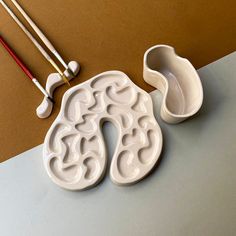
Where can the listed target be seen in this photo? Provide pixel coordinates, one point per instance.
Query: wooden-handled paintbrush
(40, 34)
(35, 42)
(24, 68)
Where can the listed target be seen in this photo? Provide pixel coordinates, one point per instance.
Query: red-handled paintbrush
(24, 68)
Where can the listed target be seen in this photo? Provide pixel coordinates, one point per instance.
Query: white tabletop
(191, 192)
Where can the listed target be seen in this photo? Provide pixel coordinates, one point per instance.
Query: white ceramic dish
(177, 80)
(74, 152)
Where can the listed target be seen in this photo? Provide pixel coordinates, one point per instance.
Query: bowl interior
(184, 86)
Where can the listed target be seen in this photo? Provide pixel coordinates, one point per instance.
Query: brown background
(102, 35)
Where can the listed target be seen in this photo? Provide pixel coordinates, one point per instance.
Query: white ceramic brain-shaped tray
(75, 155)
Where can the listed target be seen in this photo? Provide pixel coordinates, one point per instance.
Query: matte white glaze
(54, 80)
(177, 80)
(74, 153)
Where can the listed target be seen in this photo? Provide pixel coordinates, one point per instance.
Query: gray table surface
(191, 192)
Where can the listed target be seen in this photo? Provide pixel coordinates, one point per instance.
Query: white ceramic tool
(177, 80)
(55, 80)
(74, 152)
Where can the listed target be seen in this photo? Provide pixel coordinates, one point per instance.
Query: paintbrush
(24, 68)
(40, 34)
(31, 37)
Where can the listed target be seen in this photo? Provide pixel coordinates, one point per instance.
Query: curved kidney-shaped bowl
(177, 80)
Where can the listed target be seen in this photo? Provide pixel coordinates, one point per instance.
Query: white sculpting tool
(31, 37)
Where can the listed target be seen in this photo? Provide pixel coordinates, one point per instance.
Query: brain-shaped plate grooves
(74, 152)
